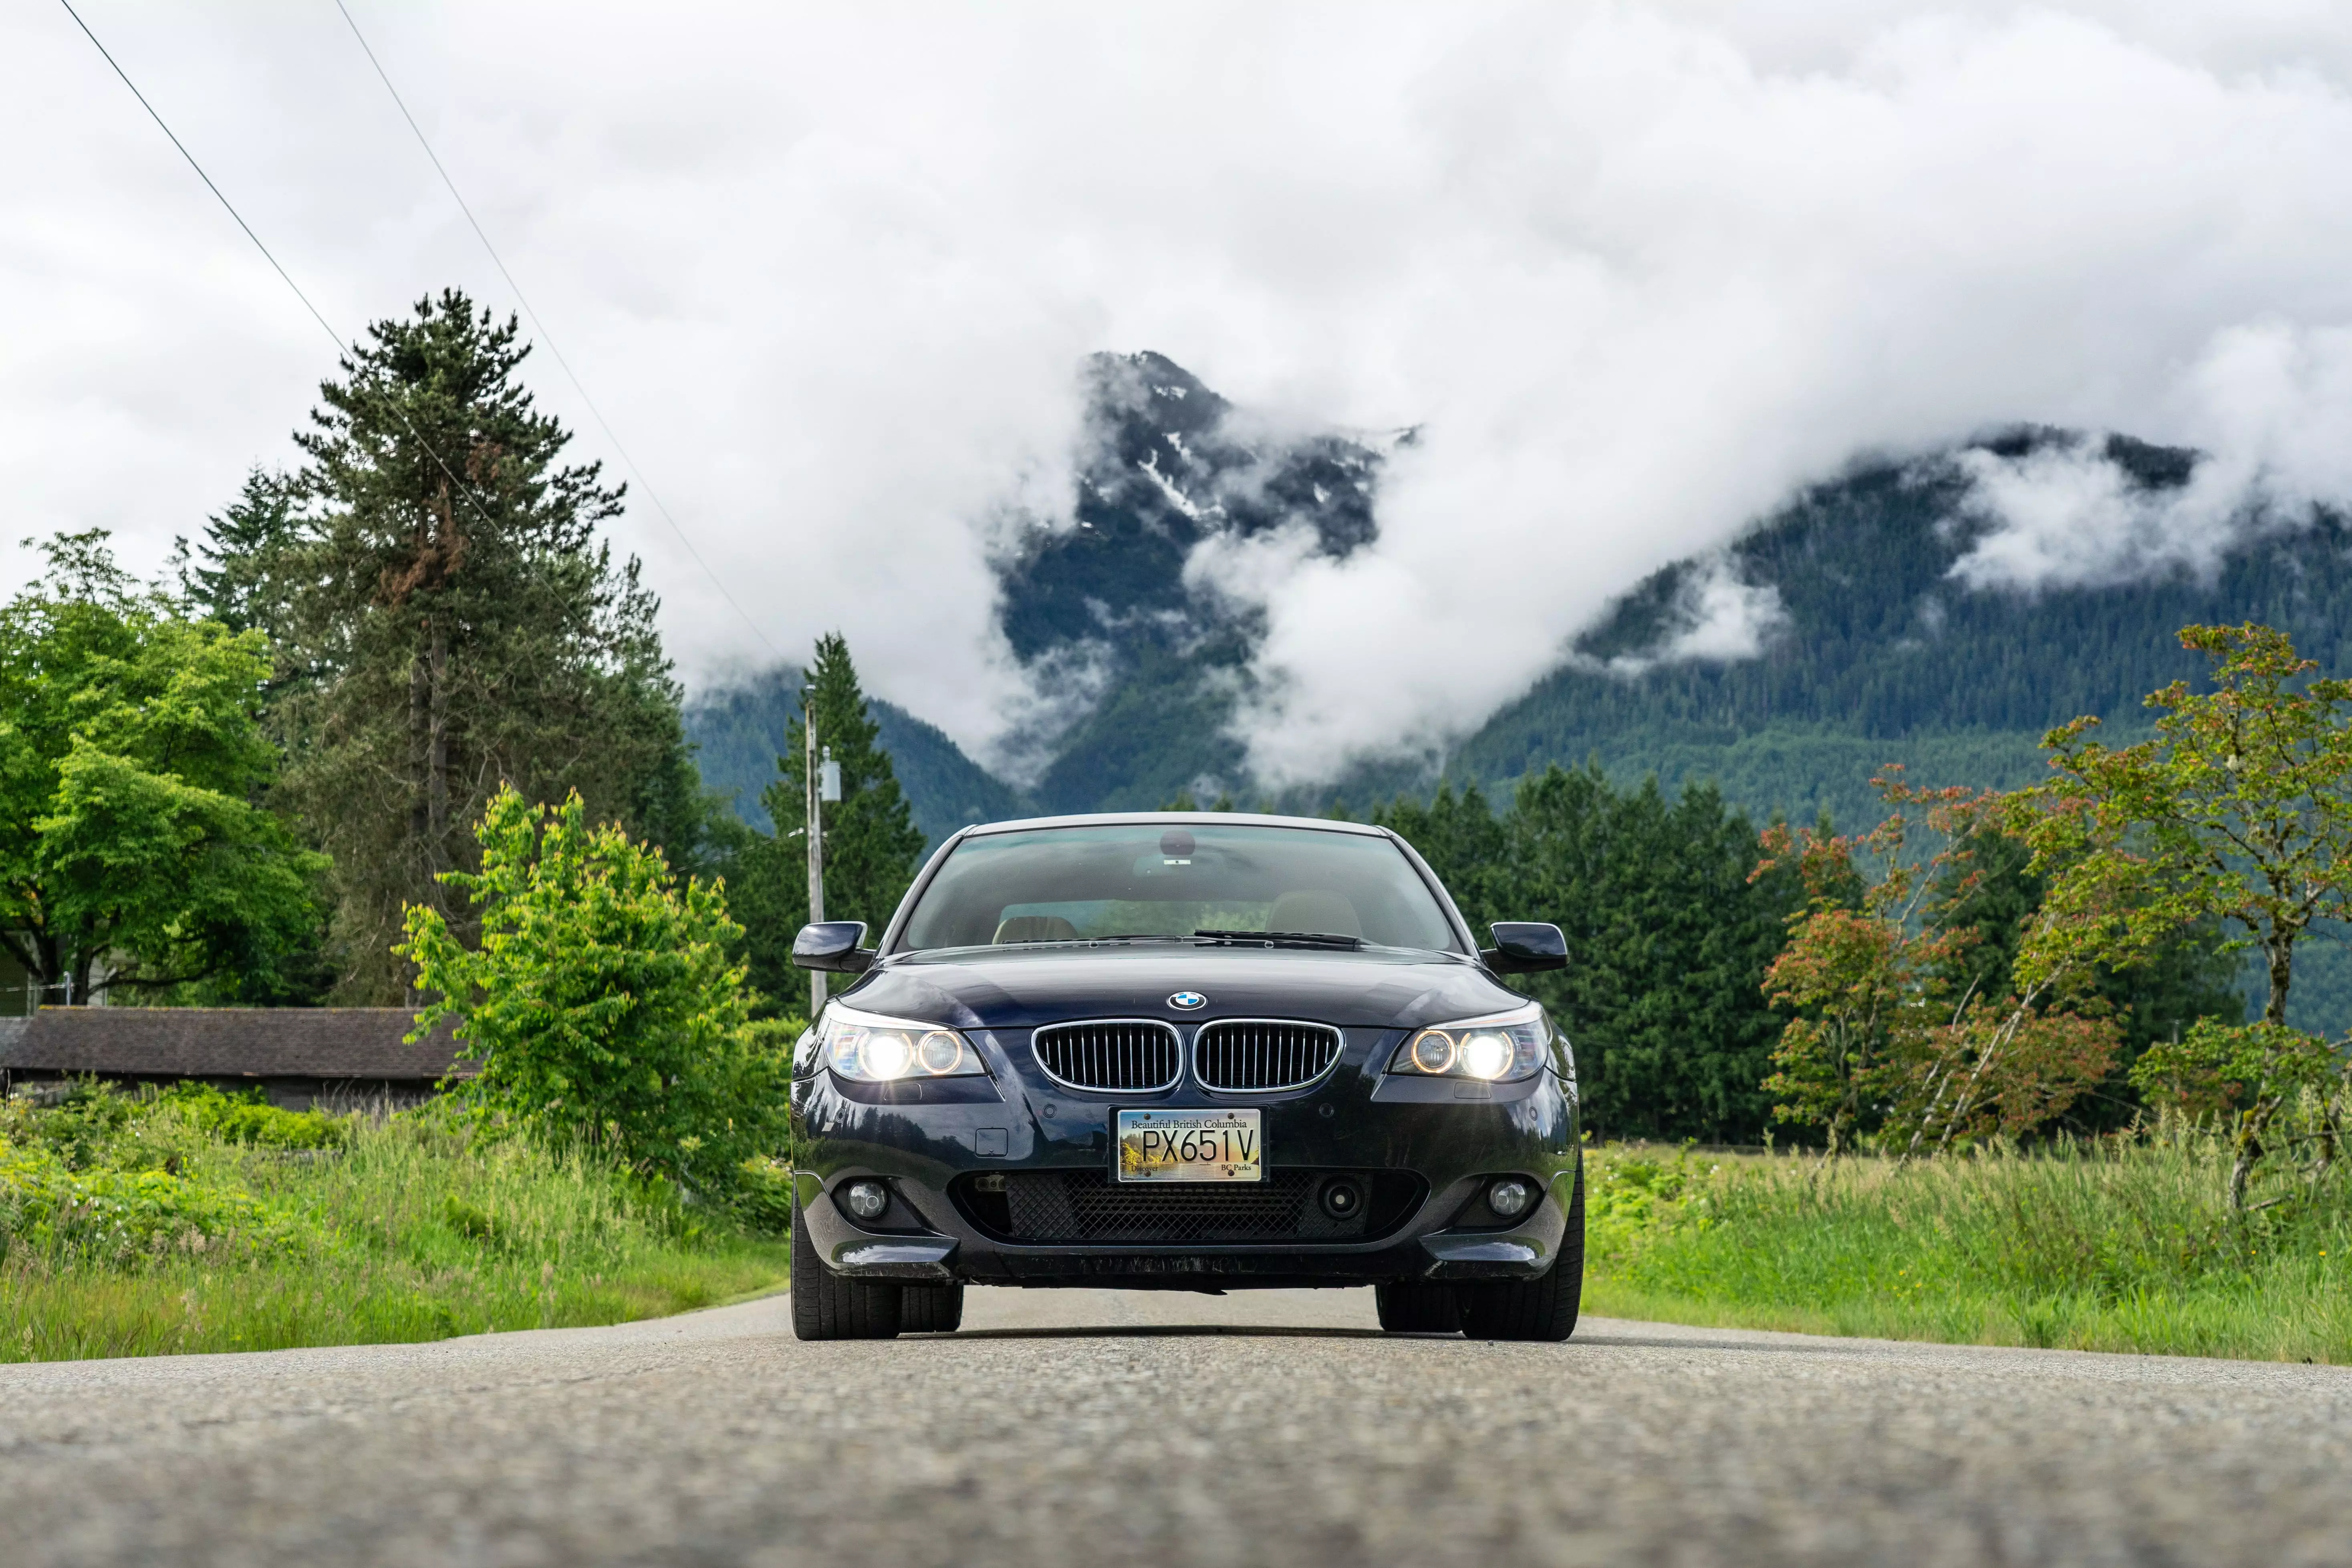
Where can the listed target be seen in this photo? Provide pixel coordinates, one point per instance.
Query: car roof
(1139, 819)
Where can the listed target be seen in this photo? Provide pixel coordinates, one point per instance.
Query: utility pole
(813, 815)
(821, 785)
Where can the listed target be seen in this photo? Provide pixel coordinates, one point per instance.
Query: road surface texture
(1157, 1430)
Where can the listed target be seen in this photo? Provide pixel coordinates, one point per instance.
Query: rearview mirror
(1523, 947)
(834, 945)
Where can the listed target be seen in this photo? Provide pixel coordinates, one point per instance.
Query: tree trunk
(2280, 950)
(428, 756)
(437, 758)
(2242, 1171)
(420, 723)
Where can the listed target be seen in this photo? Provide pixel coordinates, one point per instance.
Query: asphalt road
(1145, 1430)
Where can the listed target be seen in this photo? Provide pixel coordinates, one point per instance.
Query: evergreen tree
(453, 622)
(872, 847)
(1668, 939)
(234, 578)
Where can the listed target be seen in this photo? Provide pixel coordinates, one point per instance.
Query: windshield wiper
(1286, 939)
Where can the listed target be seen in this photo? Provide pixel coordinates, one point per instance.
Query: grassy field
(199, 1223)
(2116, 1247)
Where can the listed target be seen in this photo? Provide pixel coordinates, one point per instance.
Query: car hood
(1022, 987)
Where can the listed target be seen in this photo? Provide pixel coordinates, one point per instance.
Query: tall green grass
(181, 1228)
(2122, 1246)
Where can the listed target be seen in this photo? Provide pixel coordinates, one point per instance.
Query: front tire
(828, 1307)
(930, 1309)
(1411, 1307)
(1543, 1309)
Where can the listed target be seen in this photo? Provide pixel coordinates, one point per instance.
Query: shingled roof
(363, 1044)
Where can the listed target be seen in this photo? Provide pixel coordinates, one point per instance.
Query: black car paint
(920, 1137)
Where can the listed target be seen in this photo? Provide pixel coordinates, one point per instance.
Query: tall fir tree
(872, 847)
(448, 620)
(1667, 936)
(233, 576)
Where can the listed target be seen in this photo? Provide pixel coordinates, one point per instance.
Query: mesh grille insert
(1243, 1054)
(1115, 1054)
(1088, 1206)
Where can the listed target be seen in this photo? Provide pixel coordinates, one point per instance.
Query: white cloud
(1634, 273)
(1718, 617)
(2277, 402)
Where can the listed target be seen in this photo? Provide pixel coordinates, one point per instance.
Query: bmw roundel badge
(1190, 1001)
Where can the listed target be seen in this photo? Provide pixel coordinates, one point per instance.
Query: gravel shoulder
(1086, 1425)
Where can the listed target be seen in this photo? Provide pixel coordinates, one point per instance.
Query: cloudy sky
(1635, 271)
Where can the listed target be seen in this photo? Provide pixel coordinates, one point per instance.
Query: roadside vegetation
(2114, 1244)
(195, 1221)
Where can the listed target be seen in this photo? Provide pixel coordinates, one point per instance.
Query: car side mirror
(833, 945)
(1524, 947)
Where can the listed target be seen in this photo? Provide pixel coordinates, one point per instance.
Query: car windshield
(1165, 879)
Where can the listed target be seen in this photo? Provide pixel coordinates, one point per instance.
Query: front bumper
(1358, 1121)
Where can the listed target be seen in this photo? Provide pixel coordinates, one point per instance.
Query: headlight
(1502, 1048)
(866, 1048)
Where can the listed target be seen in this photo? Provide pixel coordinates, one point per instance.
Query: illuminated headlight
(1504, 1048)
(866, 1048)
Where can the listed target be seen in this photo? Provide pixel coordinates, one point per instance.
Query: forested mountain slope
(1101, 606)
(1879, 654)
(1869, 649)
(739, 728)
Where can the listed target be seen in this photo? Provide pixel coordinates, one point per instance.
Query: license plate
(1191, 1146)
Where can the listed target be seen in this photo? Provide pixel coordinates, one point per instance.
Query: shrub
(601, 1002)
(249, 1118)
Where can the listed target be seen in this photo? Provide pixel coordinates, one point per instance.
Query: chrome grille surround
(1115, 1056)
(1263, 1055)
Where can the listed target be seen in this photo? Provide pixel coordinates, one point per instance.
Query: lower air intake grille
(1114, 1054)
(1244, 1054)
(1088, 1206)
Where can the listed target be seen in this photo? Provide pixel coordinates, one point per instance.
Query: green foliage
(872, 848)
(2115, 1244)
(601, 1002)
(1898, 1035)
(131, 855)
(2280, 1091)
(1668, 934)
(103, 1215)
(175, 1239)
(1989, 893)
(445, 618)
(248, 1117)
(231, 578)
(2238, 810)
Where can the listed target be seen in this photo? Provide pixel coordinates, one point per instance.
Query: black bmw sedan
(1184, 1051)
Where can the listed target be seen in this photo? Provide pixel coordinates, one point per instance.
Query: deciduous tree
(2238, 809)
(600, 999)
(132, 853)
(1896, 1036)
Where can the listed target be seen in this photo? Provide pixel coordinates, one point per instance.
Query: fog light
(1510, 1197)
(867, 1200)
(1343, 1198)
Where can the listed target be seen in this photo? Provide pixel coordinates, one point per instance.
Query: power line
(230, 208)
(541, 327)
